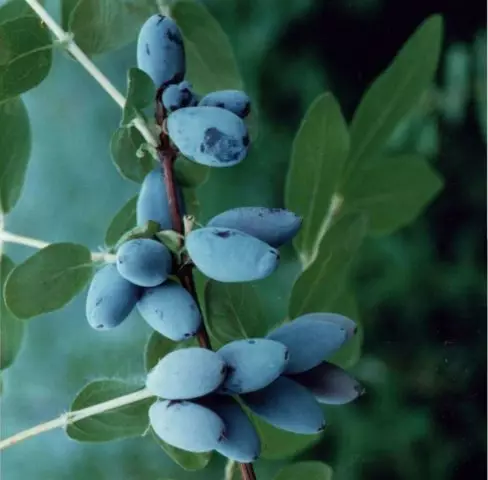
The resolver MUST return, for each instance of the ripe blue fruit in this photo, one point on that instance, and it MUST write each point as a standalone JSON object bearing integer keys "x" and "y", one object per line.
{"x": 287, "y": 405}
{"x": 144, "y": 262}
{"x": 235, "y": 101}
{"x": 110, "y": 298}
{"x": 170, "y": 310}
{"x": 209, "y": 135}
{"x": 309, "y": 338}
{"x": 330, "y": 384}
{"x": 241, "y": 441}
{"x": 178, "y": 96}
{"x": 186, "y": 425}
{"x": 152, "y": 202}
{"x": 253, "y": 364}
{"x": 160, "y": 51}
{"x": 275, "y": 226}
{"x": 228, "y": 255}
{"x": 187, "y": 373}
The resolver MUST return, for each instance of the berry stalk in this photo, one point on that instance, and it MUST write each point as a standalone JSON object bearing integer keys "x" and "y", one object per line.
{"x": 167, "y": 156}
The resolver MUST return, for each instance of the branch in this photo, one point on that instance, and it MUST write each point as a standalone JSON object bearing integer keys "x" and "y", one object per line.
{"x": 167, "y": 156}
{"x": 8, "y": 237}
{"x": 67, "y": 40}
{"x": 72, "y": 417}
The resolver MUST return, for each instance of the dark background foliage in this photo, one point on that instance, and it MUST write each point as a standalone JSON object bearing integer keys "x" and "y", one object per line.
{"x": 421, "y": 291}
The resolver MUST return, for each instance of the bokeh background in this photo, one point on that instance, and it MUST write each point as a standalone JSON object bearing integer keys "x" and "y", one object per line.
{"x": 421, "y": 292}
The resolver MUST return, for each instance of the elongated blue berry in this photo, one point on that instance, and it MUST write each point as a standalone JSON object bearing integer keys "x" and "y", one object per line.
{"x": 287, "y": 405}
{"x": 160, "y": 51}
{"x": 110, "y": 298}
{"x": 170, "y": 310}
{"x": 187, "y": 425}
{"x": 228, "y": 255}
{"x": 187, "y": 373}
{"x": 144, "y": 262}
{"x": 241, "y": 441}
{"x": 235, "y": 101}
{"x": 209, "y": 135}
{"x": 152, "y": 202}
{"x": 275, "y": 226}
{"x": 310, "y": 339}
{"x": 330, "y": 384}
{"x": 253, "y": 364}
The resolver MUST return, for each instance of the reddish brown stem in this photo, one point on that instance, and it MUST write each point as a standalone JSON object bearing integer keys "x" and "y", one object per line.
{"x": 247, "y": 471}
{"x": 167, "y": 156}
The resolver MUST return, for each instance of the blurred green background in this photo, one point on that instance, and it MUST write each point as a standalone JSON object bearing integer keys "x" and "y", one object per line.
{"x": 422, "y": 291}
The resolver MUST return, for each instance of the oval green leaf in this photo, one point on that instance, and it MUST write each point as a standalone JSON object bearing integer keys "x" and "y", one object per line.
{"x": 14, "y": 9}
{"x": 11, "y": 329}
{"x": 100, "y": 26}
{"x": 124, "y": 146}
{"x": 310, "y": 470}
{"x": 140, "y": 94}
{"x": 123, "y": 221}
{"x": 395, "y": 92}
{"x": 234, "y": 311}
{"x": 319, "y": 286}
{"x": 186, "y": 460}
{"x": 48, "y": 280}
{"x": 15, "y": 148}
{"x": 209, "y": 57}
{"x": 25, "y": 55}
{"x": 319, "y": 150}
{"x": 128, "y": 421}
{"x": 392, "y": 191}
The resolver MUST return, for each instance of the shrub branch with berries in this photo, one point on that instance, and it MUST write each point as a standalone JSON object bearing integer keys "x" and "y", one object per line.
{"x": 162, "y": 262}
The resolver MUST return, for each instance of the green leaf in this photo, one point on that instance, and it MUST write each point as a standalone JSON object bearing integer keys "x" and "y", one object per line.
{"x": 209, "y": 58}
{"x": 148, "y": 230}
{"x": 395, "y": 92}
{"x": 67, "y": 7}
{"x": 140, "y": 94}
{"x": 319, "y": 151}
{"x": 392, "y": 191}
{"x": 48, "y": 280}
{"x": 310, "y": 470}
{"x": 158, "y": 346}
{"x": 172, "y": 240}
{"x": 15, "y": 147}
{"x": 123, "y": 221}
{"x": 25, "y": 55}
{"x": 11, "y": 329}
{"x": 277, "y": 444}
{"x": 186, "y": 460}
{"x": 124, "y": 147}
{"x": 233, "y": 311}
{"x": 192, "y": 204}
{"x": 103, "y": 25}
{"x": 128, "y": 421}
{"x": 190, "y": 174}
{"x": 322, "y": 282}
{"x": 14, "y": 9}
